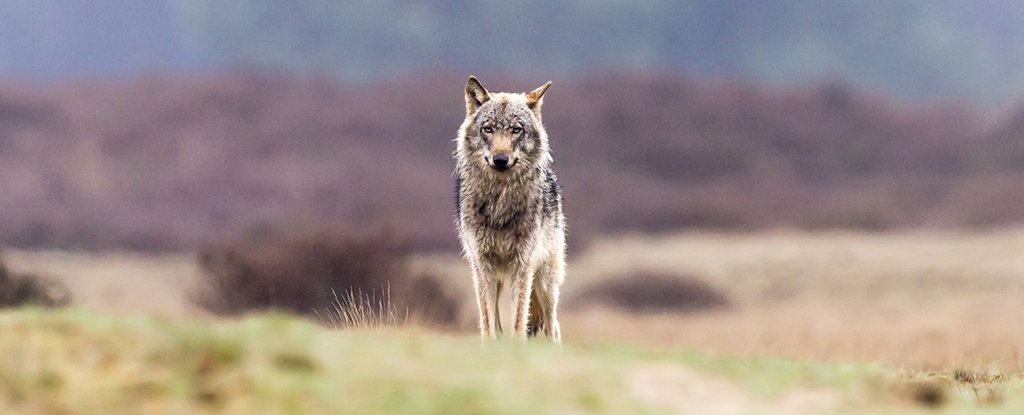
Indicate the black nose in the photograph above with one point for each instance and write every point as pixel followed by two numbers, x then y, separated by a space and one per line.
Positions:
pixel 500 162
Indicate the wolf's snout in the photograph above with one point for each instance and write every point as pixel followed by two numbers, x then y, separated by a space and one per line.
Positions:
pixel 501 162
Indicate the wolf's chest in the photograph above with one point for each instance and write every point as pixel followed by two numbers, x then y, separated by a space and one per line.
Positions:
pixel 500 243
pixel 499 213
pixel 500 220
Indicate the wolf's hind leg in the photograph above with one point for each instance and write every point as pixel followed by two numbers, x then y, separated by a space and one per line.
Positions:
pixel 535 323
pixel 547 290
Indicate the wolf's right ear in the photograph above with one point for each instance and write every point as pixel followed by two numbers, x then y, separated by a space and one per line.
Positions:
pixel 476 95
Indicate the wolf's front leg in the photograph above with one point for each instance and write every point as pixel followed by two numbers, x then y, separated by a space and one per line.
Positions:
pixel 522 285
pixel 487 289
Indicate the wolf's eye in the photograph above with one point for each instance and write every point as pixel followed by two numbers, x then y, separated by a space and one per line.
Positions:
pixel 517 130
pixel 488 129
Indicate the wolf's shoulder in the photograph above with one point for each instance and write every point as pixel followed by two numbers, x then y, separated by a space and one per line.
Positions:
pixel 552 192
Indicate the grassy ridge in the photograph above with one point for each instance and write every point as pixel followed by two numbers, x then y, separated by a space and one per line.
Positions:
pixel 83 363
pixel 73 362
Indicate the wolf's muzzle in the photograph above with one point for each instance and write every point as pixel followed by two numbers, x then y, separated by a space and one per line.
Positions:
pixel 501 162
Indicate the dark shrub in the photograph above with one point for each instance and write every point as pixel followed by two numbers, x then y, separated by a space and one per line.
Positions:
pixel 309 273
pixel 429 302
pixel 929 394
pixel 21 289
pixel 652 292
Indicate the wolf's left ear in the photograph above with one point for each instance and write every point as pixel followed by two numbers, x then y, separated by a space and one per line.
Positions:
pixel 476 95
pixel 535 98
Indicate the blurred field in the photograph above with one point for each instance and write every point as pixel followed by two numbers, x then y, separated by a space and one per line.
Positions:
pixel 86 363
pixel 773 208
pixel 118 281
pixel 921 299
pixel 908 311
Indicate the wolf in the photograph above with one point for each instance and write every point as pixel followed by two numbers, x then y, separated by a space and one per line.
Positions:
pixel 510 217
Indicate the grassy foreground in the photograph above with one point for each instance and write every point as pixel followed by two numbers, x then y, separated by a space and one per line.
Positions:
pixel 74 362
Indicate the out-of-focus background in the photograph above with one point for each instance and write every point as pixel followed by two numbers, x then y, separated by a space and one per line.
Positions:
pixel 159 125
pixel 804 179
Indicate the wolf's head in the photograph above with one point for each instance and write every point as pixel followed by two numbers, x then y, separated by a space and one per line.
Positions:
pixel 503 131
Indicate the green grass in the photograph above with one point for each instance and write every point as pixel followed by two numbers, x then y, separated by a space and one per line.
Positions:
pixel 75 362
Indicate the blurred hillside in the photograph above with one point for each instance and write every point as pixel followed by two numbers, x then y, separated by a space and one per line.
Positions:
pixel 913 49
pixel 167 162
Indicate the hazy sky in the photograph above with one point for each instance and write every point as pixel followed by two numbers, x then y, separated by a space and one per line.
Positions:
pixel 929 49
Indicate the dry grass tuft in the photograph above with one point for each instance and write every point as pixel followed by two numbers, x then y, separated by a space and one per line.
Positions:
pixel 356 310
pixel 983 388
pixel 986 387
